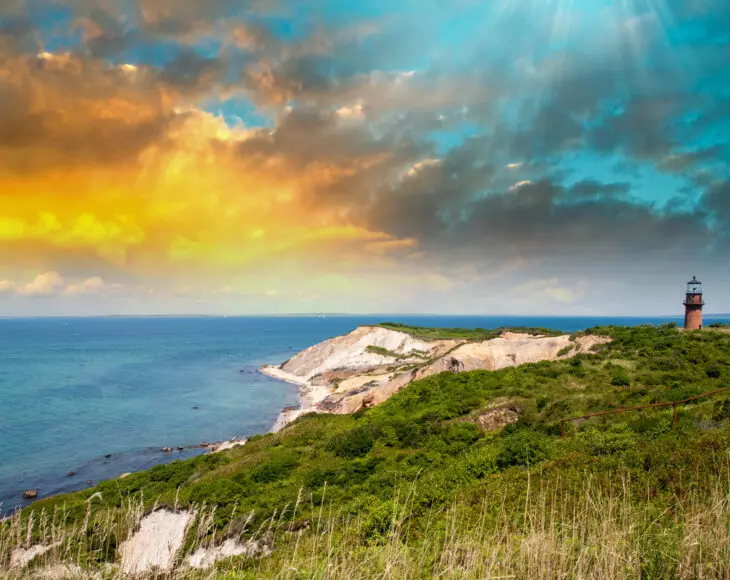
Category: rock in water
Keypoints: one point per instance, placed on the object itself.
(166, 449)
(30, 494)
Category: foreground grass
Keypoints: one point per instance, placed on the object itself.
(413, 488)
(557, 528)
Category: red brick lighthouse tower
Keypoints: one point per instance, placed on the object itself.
(693, 304)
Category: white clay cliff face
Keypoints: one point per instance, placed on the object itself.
(343, 374)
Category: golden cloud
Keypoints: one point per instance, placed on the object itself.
(117, 162)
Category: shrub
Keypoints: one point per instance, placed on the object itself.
(274, 469)
(378, 522)
(721, 410)
(220, 492)
(606, 442)
(357, 471)
(620, 380)
(523, 448)
(353, 443)
(713, 372)
(650, 426)
(317, 477)
(482, 462)
(649, 378)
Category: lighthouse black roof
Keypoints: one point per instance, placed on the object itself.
(694, 280)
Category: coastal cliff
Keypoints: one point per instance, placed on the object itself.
(365, 367)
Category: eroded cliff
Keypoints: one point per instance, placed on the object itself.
(371, 363)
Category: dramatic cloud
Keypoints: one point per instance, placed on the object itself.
(263, 156)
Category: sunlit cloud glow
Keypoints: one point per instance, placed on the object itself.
(244, 157)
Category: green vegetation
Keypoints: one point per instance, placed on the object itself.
(428, 333)
(383, 351)
(413, 486)
(389, 353)
(566, 350)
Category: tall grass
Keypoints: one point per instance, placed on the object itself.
(556, 530)
(587, 532)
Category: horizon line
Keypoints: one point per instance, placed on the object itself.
(353, 314)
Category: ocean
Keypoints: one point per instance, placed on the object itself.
(101, 396)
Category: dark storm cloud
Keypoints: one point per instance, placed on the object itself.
(681, 161)
(176, 19)
(17, 33)
(642, 129)
(535, 220)
(189, 70)
(443, 206)
(306, 137)
(717, 201)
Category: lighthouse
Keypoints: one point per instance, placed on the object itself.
(693, 304)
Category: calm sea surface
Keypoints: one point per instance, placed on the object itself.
(101, 396)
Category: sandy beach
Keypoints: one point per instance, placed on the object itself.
(309, 395)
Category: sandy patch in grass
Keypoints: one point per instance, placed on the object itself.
(155, 543)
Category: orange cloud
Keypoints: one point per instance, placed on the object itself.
(113, 161)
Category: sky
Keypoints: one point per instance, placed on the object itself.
(567, 157)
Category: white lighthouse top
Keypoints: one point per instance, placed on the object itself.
(694, 286)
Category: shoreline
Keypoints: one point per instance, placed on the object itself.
(93, 472)
(309, 396)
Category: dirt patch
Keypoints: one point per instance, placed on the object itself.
(21, 557)
(154, 545)
(497, 418)
(204, 558)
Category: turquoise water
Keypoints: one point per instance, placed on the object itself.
(101, 396)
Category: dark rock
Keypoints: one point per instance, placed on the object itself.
(70, 474)
(205, 444)
(108, 456)
(196, 407)
(180, 448)
(30, 494)
(332, 402)
(289, 408)
(455, 365)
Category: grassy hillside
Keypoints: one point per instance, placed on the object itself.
(415, 487)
